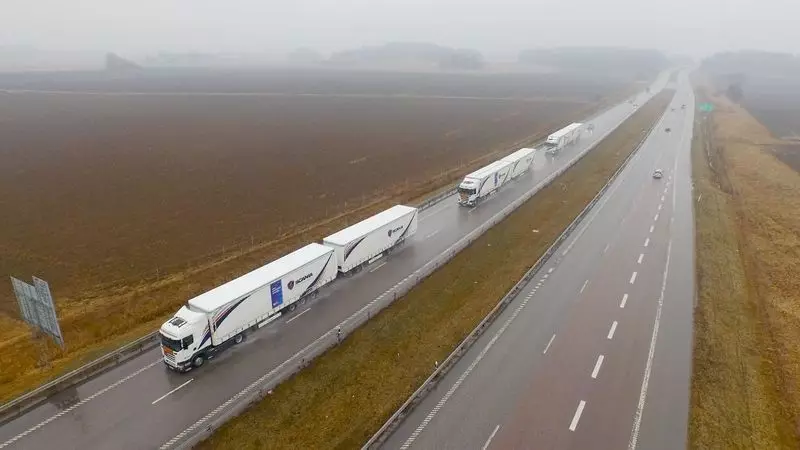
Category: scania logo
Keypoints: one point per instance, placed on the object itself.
(392, 231)
(291, 284)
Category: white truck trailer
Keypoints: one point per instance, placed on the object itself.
(220, 317)
(563, 137)
(483, 182)
(521, 161)
(359, 244)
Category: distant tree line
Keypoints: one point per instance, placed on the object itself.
(731, 71)
(644, 63)
(404, 52)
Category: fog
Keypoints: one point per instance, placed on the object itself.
(498, 28)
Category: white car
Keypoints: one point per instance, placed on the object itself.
(658, 174)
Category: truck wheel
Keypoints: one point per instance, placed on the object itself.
(292, 307)
(198, 361)
(238, 338)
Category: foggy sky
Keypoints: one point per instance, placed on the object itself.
(498, 28)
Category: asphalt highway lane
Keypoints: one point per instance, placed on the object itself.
(595, 352)
(141, 404)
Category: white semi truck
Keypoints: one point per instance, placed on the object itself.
(563, 137)
(483, 182)
(521, 161)
(222, 316)
(359, 244)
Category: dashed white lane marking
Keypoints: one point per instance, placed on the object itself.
(463, 377)
(377, 267)
(652, 227)
(584, 285)
(641, 256)
(662, 198)
(647, 242)
(172, 391)
(637, 421)
(661, 205)
(597, 366)
(432, 234)
(612, 330)
(606, 248)
(577, 417)
(550, 270)
(491, 436)
(298, 315)
(655, 219)
(79, 404)
(548, 343)
(545, 276)
(624, 301)
(633, 278)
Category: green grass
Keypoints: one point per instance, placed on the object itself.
(348, 393)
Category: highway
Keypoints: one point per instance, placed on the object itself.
(140, 404)
(595, 351)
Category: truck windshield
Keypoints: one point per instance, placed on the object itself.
(465, 191)
(174, 344)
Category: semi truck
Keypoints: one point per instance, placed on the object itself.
(221, 317)
(483, 182)
(359, 244)
(563, 137)
(521, 161)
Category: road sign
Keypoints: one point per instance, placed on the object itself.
(706, 107)
(37, 308)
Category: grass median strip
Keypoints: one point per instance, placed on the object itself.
(346, 394)
(747, 321)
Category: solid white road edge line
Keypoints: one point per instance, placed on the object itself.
(612, 330)
(410, 440)
(491, 436)
(171, 392)
(574, 424)
(548, 344)
(637, 421)
(597, 366)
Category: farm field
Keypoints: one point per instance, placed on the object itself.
(128, 204)
(775, 103)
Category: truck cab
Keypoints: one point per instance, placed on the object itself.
(468, 192)
(183, 338)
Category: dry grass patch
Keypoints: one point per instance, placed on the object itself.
(747, 322)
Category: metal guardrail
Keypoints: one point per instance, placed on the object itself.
(35, 397)
(397, 418)
(263, 386)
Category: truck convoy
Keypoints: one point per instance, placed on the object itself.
(483, 182)
(563, 137)
(221, 317)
